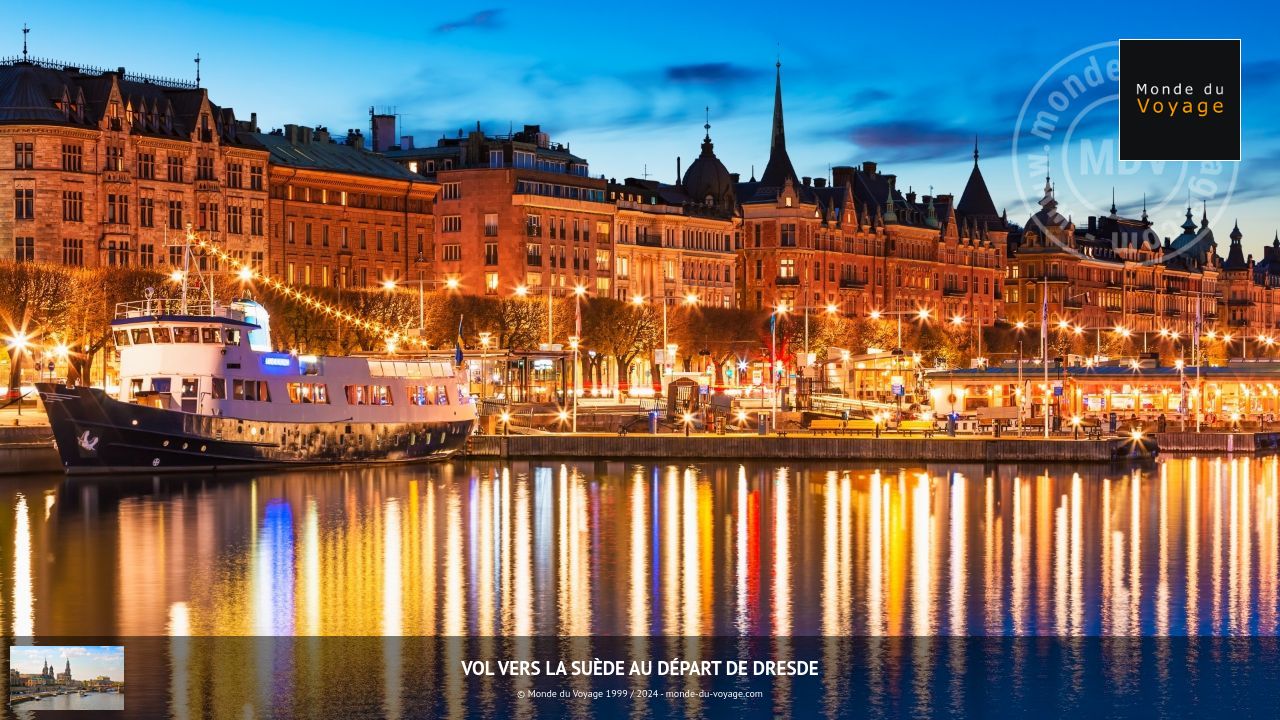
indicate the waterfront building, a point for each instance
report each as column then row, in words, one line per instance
column 678, row 243
column 107, row 167
column 517, row 214
column 342, row 216
column 861, row 244
column 1117, row 275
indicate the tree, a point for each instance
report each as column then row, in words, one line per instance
column 95, row 294
column 34, row 299
column 623, row 331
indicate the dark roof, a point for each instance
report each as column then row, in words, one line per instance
column 779, row 168
column 1235, row 256
column 975, row 201
column 312, row 149
column 31, row 92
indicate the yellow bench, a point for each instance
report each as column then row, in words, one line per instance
column 925, row 427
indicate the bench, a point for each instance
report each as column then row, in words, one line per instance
column 842, row 426
column 924, row 427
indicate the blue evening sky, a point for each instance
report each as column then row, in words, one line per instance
column 625, row 84
column 87, row 661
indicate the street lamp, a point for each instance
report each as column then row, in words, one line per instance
column 773, row 360
column 573, row 343
column 485, row 337
column 921, row 314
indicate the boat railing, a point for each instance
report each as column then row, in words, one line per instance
column 174, row 306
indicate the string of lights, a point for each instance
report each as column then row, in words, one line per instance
column 247, row 273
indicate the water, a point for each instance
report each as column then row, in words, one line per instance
column 92, row 701
column 842, row 564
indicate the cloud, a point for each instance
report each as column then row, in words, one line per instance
column 490, row 19
column 710, row 73
column 1261, row 73
column 907, row 140
column 869, row 96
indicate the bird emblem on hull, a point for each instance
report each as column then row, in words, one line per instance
column 88, row 442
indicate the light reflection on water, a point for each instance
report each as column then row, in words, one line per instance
column 659, row 554
column 1187, row 546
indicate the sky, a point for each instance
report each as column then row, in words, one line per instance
column 87, row 661
column 627, row 86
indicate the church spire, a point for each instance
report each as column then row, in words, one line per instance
column 779, row 168
column 975, row 201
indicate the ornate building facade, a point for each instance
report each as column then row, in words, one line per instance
column 108, row 168
column 517, row 213
column 860, row 245
column 342, row 216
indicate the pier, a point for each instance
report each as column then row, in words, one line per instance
column 801, row 447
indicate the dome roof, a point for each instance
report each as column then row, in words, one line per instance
column 708, row 177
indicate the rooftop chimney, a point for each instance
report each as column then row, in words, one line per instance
column 841, row 175
column 819, row 182
column 355, row 138
column 868, row 167
column 806, row 180
column 406, row 142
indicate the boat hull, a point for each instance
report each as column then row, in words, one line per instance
column 98, row 434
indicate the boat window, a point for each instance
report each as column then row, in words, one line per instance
column 368, row 395
column 231, row 336
column 210, row 335
column 162, row 334
column 308, row 365
column 122, row 338
column 186, row 334
column 463, row 398
column 308, row 393
column 253, row 390
column 190, row 387
column 442, row 395
column 418, row 394
column 141, row 336
column 161, row 384
column 219, row 389
column 135, row 387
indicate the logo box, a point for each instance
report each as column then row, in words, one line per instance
column 1180, row 100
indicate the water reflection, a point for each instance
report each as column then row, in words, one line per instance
column 1188, row 546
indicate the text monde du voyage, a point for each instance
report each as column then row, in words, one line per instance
column 1180, row 99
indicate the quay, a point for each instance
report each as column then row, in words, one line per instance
column 795, row 446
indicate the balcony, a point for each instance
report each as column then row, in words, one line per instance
column 1172, row 312
column 116, row 176
column 533, row 230
column 1144, row 311
column 1239, row 302
column 649, row 241
column 208, row 186
column 788, row 280
column 851, row 283
column 534, row 261
column 953, row 292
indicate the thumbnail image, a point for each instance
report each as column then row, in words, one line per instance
column 72, row 677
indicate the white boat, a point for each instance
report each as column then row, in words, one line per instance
column 201, row 387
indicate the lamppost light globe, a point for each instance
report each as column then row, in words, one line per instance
column 388, row 284
column 246, row 274
column 875, row 314
column 637, row 299
column 521, row 290
column 833, row 308
column 451, row 283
